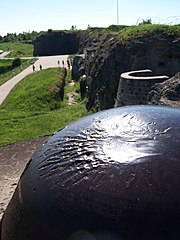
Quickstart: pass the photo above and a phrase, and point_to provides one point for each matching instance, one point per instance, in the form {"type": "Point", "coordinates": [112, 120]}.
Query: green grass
{"type": "Point", "coordinates": [148, 30]}
{"type": "Point", "coordinates": [35, 92]}
{"type": "Point", "coordinates": [29, 112]}
{"type": "Point", "coordinates": [126, 34]}
{"type": "Point", "coordinates": [17, 126]}
{"type": "Point", "coordinates": [18, 49]}
{"type": "Point", "coordinates": [5, 62]}
{"type": "Point", "coordinates": [15, 71]}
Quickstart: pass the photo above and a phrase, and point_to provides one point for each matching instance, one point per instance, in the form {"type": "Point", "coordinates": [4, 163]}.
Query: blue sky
{"type": "Point", "coordinates": [23, 16]}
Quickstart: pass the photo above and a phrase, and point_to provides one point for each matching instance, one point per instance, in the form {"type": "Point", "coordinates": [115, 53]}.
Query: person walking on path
{"type": "Point", "coordinates": [33, 68]}
{"type": "Point", "coordinates": [40, 67]}
{"type": "Point", "coordinates": [68, 64]}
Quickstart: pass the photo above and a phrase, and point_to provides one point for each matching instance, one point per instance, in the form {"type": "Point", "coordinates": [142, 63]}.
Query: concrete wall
{"type": "Point", "coordinates": [134, 87]}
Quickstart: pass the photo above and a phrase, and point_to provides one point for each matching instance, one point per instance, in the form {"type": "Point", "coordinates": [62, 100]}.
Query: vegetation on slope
{"type": "Point", "coordinates": [36, 92]}
{"type": "Point", "coordinates": [17, 49]}
{"type": "Point", "coordinates": [32, 109]}
{"type": "Point", "coordinates": [129, 33]}
{"type": "Point", "coordinates": [148, 30]}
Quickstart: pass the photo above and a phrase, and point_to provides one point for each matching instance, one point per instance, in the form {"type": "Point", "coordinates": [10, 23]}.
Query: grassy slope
{"type": "Point", "coordinates": [10, 74]}
{"type": "Point", "coordinates": [33, 93]}
{"type": "Point", "coordinates": [147, 30]}
{"type": "Point", "coordinates": [26, 113]}
{"type": "Point", "coordinates": [126, 34]}
{"type": "Point", "coordinates": [17, 126]}
{"type": "Point", "coordinates": [18, 49]}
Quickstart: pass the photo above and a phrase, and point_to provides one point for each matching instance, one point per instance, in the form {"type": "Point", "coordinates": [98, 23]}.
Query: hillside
{"type": "Point", "coordinates": [38, 106]}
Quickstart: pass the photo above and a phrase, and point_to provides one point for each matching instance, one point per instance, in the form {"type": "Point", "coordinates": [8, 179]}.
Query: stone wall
{"type": "Point", "coordinates": [134, 87]}
{"type": "Point", "coordinates": [78, 67]}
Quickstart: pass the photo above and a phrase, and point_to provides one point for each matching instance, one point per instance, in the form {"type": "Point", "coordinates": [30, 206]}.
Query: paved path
{"type": "Point", "coordinates": [46, 62]}
{"type": "Point", "coordinates": [2, 55]}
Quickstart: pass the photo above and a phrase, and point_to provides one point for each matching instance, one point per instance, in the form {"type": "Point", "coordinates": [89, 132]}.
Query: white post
{"type": "Point", "coordinates": [117, 13]}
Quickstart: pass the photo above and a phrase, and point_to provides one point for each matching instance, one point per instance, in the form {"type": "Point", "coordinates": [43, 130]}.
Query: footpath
{"type": "Point", "coordinates": [45, 62]}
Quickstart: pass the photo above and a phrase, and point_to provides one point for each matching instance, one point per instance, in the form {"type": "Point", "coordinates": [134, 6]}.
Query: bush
{"type": "Point", "coordinates": [5, 69]}
{"type": "Point", "coordinates": [116, 28]}
{"type": "Point", "coordinates": [16, 62]}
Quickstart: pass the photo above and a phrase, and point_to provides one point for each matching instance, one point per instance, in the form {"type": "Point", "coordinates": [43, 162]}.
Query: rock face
{"type": "Point", "coordinates": [103, 67]}
{"type": "Point", "coordinates": [108, 55]}
{"type": "Point", "coordinates": [64, 42]}
{"type": "Point", "coordinates": [56, 43]}
{"type": "Point", "coordinates": [166, 93]}
{"type": "Point", "coordinates": [78, 67]}
{"type": "Point", "coordinates": [111, 175]}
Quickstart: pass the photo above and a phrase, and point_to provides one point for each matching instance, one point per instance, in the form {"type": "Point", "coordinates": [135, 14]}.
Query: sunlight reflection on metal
{"type": "Point", "coordinates": [130, 152]}
{"type": "Point", "coordinates": [133, 137]}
